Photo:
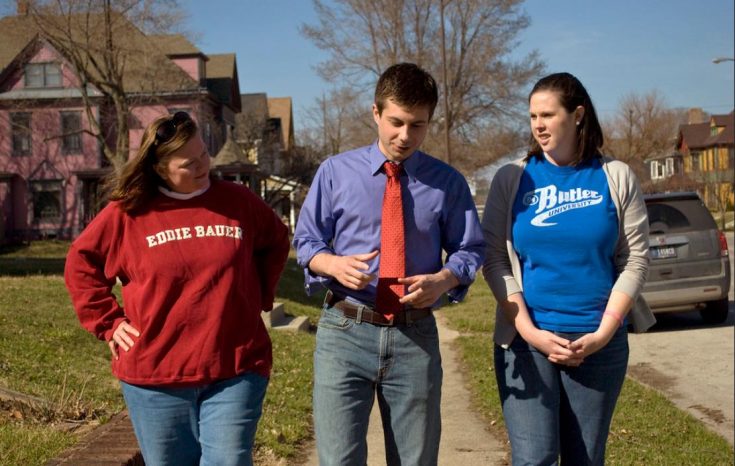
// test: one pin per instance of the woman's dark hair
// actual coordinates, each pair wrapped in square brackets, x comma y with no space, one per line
[138,182]
[572,94]
[407,85]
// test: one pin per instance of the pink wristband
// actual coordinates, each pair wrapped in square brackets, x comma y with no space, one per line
[614,315]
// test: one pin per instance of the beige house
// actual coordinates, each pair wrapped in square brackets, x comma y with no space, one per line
[708,155]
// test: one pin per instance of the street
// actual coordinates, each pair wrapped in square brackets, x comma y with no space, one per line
[691,363]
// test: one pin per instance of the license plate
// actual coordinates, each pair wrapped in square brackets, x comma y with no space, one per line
[664,252]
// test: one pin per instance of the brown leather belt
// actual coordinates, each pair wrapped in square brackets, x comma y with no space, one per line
[362,313]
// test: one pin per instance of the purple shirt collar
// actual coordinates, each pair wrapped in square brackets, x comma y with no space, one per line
[376,159]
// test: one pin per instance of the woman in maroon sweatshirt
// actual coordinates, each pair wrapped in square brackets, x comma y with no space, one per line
[198,259]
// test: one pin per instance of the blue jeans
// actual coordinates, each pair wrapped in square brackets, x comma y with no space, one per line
[210,425]
[401,365]
[554,411]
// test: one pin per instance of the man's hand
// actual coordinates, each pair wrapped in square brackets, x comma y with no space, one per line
[424,290]
[348,270]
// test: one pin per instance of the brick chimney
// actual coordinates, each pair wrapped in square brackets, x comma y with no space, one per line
[695,115]
[22,8]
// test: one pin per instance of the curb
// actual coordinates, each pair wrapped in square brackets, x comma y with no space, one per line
[277,319]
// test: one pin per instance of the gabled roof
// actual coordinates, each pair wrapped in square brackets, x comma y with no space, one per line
[24,54]
[221,65]
[231,154]
[251,122]
[222,79]
[698,135]
[175,45]
[721,120]
[15,35]
[693,135]
[149,67]
[254,106]
[280,107]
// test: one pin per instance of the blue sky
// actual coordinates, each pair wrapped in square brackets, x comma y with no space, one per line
[615,47]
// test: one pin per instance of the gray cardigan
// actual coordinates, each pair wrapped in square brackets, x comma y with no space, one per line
[502,268]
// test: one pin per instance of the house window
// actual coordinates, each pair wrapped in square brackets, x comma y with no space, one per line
[669,167]
[46,200]
[696,164]
[71,135]
[20,124]
[42,75]
[657,170]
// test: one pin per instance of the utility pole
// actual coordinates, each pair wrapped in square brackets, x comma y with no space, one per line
[447,145]
[630,135]
[325,146]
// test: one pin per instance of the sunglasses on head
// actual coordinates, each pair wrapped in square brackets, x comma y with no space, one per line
[167,129]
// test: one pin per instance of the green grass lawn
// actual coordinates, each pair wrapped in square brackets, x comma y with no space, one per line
[44,352]
[647,429]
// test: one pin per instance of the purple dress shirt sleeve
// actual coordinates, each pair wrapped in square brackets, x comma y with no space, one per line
[342,215]
[315,228]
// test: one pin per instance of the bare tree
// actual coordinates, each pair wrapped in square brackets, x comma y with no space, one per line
[643,127]
[484,86]
[338,121]
[102,41]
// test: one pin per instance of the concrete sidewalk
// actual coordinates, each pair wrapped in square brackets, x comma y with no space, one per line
[465,438]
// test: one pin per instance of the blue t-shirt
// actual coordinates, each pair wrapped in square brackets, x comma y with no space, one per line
[565,228]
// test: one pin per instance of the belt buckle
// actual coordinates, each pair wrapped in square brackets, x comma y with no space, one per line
[390,322]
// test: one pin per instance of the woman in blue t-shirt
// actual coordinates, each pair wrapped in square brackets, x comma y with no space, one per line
[567,238]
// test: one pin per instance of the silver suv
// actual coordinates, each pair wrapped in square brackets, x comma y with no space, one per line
[690,266]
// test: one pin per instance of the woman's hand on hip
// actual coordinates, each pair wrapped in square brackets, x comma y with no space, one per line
[123,337]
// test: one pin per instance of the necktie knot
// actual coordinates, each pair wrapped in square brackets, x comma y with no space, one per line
[392,170]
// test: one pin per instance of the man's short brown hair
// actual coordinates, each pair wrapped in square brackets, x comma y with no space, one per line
[407,85]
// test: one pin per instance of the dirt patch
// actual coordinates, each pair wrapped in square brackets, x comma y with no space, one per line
[714,414]
[644,373]
[18,407]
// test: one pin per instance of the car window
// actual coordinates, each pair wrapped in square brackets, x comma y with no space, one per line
[679,215]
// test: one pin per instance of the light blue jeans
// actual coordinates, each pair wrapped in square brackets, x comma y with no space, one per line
[554,411]
[210,425]
[401,365]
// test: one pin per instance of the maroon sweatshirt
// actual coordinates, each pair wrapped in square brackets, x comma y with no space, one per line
[195,273]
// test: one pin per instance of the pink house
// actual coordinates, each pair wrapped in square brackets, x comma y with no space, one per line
[51,165]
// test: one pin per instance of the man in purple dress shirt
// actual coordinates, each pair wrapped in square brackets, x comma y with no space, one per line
[361,354]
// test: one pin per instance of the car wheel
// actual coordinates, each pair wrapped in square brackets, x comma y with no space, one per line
[716,311]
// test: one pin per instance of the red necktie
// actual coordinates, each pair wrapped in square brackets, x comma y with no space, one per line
[392,245]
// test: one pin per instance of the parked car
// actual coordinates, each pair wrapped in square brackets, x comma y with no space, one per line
[690,263]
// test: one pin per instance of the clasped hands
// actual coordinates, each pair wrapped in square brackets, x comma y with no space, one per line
[423,290]
[563,351]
